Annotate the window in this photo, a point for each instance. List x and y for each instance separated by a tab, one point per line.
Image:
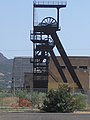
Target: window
83	67
63	67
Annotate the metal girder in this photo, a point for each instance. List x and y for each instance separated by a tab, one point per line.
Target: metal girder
65	58
57	64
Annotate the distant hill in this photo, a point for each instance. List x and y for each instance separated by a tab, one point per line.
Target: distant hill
5	71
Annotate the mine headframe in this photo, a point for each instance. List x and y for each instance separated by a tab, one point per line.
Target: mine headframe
44	38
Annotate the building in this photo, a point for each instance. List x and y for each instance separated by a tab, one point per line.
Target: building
22	73
28	81
81	66
21	67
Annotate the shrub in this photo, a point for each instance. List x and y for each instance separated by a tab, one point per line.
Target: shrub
80	101
21	94
24	103
5	94
36	98
61	100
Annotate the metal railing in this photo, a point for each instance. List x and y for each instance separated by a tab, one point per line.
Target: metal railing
50	3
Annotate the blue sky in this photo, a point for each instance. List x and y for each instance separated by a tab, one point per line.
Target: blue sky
16	23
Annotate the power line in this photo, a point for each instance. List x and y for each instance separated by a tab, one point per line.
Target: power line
13	50
80	49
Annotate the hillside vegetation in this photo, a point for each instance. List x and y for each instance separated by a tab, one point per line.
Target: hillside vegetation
5	71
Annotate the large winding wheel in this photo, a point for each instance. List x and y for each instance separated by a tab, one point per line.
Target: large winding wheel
48	21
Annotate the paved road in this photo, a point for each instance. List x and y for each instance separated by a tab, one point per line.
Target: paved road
43	116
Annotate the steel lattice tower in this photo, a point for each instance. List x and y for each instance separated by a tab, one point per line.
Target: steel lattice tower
44	37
